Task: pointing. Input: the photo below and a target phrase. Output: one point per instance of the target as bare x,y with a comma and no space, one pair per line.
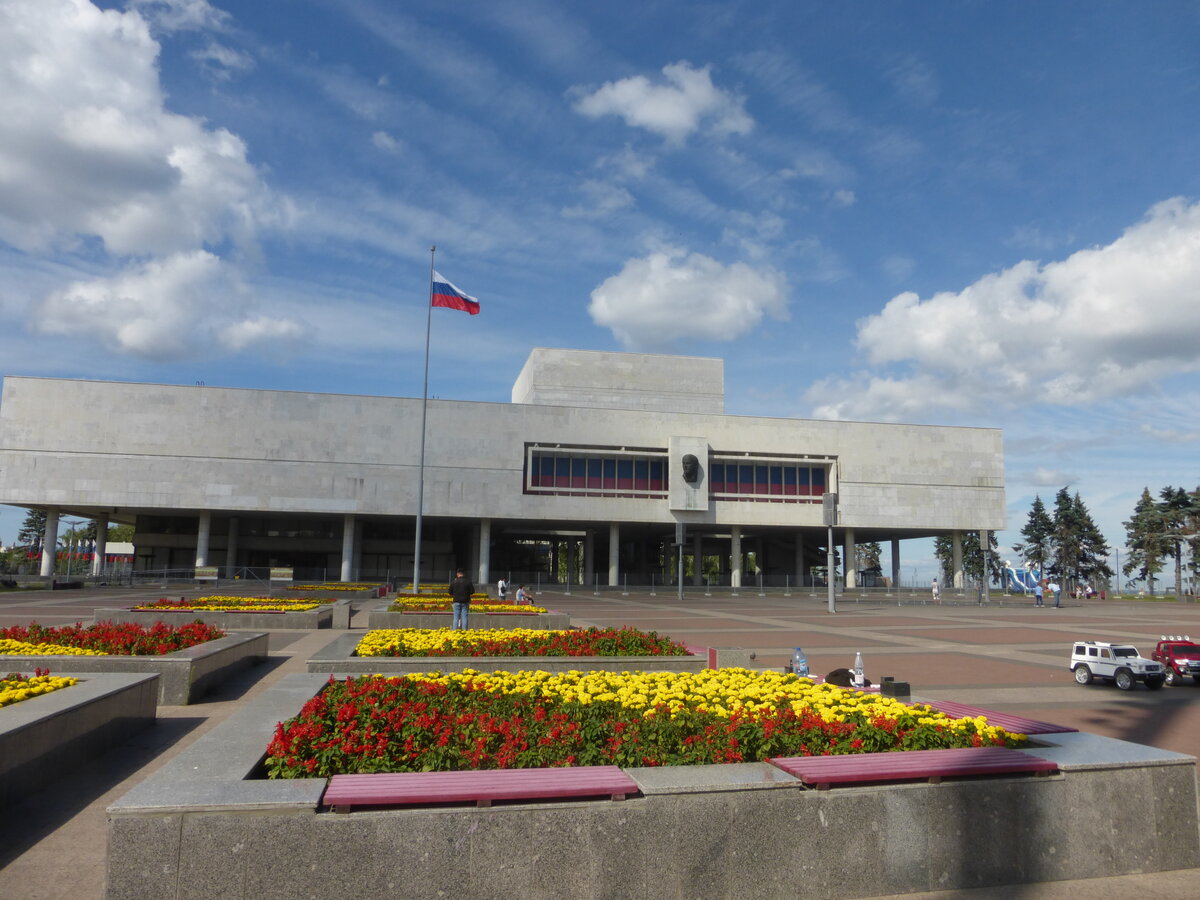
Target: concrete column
485,553
614,554
101,545
49,542
957,557
356,568
203,530
735,556
983,546
895,563
348,548
589,559
231,547
798,577
697,560
850,562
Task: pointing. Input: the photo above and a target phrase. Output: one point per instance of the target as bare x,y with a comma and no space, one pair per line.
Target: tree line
1065,544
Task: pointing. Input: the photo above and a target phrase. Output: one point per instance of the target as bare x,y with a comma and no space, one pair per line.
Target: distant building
584,476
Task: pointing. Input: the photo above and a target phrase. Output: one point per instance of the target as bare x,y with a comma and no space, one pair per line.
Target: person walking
460,597
501,589
936,591
1038,594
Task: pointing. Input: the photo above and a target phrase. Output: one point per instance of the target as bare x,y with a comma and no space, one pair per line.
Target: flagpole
424,406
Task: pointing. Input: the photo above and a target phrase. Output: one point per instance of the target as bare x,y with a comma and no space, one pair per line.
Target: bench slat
477,786
911,765
1007,721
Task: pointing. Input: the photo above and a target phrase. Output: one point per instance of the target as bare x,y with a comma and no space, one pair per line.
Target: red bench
823,772
480,787
1007,721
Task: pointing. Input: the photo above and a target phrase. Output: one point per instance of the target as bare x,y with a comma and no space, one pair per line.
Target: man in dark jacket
460,595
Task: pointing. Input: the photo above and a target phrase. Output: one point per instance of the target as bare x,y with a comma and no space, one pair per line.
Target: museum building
599,472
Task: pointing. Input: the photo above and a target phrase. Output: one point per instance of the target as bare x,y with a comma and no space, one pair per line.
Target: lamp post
829,511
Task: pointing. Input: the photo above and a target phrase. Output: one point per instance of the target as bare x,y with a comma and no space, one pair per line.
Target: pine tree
1093,548
1178,517
1064,539
1038,531
972,557
1144,538
33,529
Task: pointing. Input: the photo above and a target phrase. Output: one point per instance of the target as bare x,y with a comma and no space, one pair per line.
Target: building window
604,472
771,480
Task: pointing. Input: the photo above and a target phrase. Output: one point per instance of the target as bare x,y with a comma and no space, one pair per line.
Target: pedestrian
501,589
936,591
1055,589
1038,594
522,596
460,596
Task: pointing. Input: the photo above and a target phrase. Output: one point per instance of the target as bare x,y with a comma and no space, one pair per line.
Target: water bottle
858,669
799,662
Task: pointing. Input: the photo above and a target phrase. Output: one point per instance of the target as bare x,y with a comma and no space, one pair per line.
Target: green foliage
1038,531
1144,537
972,557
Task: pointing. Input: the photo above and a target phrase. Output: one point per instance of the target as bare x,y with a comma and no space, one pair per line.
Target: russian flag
447,295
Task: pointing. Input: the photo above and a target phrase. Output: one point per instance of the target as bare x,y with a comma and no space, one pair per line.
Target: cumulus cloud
687,101
90,156
181,15
1104,322
601,198
672,295
163,309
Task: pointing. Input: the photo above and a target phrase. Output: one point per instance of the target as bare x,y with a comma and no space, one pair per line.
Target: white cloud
1105,322
686,102
222,62
181,15
842,198
672,295
915,81
384,141
88,148
162,309
602,200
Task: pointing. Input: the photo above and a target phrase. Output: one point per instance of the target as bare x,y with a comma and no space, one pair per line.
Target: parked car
1180,657
1119,663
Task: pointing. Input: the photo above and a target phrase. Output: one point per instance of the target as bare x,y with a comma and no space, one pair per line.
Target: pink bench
823,772
1007,721
480,787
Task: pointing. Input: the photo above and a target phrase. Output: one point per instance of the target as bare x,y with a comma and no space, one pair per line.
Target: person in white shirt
501,589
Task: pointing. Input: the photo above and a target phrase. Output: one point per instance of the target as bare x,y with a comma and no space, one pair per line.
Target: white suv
1120,663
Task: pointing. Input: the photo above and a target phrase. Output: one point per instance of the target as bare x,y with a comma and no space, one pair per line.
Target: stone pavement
1006,657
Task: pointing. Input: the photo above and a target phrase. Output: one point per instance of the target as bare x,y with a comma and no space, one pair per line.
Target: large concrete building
586,477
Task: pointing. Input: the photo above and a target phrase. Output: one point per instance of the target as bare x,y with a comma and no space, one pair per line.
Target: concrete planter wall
338,657
321,617
381,618
42,737
199,828
184,674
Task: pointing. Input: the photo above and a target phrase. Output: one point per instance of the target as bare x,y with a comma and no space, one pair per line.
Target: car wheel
1124,679
1172,676
1155,682
1083,675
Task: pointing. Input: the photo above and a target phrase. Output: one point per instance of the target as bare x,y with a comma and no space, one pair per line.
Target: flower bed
235,604
189,659
241,619
517,642
480,603
103,639
530,719
15,687
335,586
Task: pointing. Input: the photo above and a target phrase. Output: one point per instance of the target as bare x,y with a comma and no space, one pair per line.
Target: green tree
1092,563
867,557
32,529
1038,533
1179,514
972,557
1144,538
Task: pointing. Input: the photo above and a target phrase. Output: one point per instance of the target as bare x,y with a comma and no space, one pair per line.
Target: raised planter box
321,617
705,831
44,736
184,675
338,657
381,618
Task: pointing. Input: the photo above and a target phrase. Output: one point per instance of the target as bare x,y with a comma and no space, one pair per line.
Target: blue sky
949,213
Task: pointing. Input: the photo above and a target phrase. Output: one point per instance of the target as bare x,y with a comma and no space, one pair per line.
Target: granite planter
381,618
204,825
44,736
183,674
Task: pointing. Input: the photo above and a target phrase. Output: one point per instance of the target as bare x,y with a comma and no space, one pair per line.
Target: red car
1180,657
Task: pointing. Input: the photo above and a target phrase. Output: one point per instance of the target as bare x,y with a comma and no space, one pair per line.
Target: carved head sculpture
691,468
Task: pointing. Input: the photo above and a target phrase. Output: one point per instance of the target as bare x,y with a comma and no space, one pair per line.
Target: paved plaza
1005,656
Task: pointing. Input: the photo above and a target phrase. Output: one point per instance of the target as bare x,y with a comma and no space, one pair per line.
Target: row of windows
638,476
739,480
575,474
